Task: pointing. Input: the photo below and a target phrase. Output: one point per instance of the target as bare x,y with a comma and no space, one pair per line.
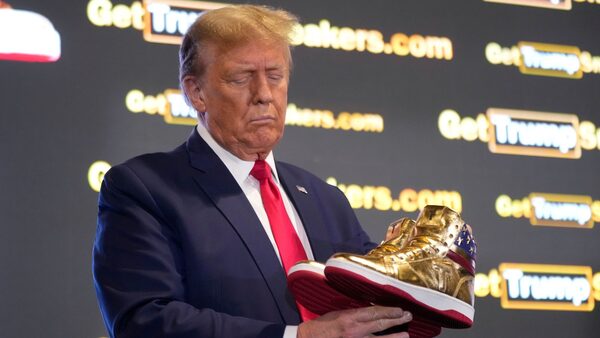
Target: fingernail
407,315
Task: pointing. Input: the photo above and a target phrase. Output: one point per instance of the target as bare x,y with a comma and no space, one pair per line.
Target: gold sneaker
308,284
306,279
431,276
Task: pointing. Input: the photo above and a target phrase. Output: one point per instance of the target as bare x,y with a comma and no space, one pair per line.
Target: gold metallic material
423,260
406,229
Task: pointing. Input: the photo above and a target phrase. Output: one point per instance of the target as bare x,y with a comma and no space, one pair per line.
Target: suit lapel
301,196
213,177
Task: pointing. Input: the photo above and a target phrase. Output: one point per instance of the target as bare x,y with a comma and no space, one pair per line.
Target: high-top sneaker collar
464,249
442,232
437,228
443,229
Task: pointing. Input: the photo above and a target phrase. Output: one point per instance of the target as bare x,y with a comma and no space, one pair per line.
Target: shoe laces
422,246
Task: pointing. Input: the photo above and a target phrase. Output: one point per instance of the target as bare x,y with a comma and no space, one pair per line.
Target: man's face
243,93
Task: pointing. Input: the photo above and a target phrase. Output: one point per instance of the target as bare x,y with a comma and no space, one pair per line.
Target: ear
193,90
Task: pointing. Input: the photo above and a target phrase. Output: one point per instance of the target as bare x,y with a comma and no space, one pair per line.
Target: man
187,245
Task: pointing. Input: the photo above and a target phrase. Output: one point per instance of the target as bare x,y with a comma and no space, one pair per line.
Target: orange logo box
571,211
177,111
546,59
546,287
166,21
531,133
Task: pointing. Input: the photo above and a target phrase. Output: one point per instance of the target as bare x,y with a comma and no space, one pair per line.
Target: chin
266,143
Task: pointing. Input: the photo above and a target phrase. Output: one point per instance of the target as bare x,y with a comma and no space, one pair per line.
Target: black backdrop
59,118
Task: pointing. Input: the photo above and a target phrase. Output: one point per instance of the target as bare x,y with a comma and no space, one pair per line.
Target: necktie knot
261,170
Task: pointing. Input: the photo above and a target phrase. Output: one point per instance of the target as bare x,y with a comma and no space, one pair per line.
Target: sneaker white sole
310,288
378,288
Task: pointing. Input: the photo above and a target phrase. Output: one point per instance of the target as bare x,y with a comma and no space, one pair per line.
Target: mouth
263,119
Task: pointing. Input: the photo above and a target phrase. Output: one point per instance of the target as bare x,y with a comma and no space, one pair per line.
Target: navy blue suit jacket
179,251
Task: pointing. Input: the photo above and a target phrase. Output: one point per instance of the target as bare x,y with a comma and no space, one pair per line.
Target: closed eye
275,76
240,80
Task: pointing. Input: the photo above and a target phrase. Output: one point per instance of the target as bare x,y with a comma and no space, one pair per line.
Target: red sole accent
421,328
460,260
312,290
363,288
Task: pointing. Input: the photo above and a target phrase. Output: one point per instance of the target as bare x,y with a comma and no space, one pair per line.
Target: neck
235,147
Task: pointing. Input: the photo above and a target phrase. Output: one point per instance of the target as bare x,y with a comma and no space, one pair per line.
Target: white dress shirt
240,170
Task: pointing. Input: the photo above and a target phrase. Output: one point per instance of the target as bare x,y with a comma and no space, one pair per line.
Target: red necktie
288,244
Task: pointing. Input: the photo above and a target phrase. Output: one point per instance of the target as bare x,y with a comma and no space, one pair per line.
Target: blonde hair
229,27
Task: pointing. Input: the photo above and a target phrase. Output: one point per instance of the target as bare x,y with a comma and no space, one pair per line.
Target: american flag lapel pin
301,189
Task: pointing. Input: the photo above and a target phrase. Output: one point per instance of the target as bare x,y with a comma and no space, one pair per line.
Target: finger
397,335
390,231
396,227
372,313
385,323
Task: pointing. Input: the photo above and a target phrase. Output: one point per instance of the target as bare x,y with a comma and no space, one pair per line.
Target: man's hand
395,230
355,323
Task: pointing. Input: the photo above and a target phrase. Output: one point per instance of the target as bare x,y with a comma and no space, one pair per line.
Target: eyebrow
248,69
250,66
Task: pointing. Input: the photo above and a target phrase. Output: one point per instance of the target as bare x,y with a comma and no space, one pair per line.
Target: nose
262,90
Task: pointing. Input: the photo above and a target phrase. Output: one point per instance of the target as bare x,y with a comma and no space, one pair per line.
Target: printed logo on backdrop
546,287
162,21
550,60
172,107
96,173
176,109
546,209
558,210
541,286
326,35
27,36
166,21
544,59
379,197
520,132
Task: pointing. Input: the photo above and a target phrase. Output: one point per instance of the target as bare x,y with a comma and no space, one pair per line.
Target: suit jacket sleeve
138,271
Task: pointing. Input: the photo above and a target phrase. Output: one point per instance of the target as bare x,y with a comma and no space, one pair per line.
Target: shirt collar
239,168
